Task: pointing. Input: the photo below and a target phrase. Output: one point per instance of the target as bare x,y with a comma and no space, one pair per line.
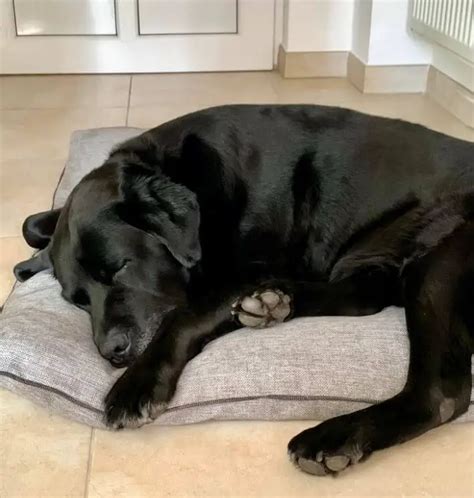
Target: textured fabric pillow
311,368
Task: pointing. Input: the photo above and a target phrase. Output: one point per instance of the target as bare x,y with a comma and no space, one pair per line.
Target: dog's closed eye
81,298
103,273
121,269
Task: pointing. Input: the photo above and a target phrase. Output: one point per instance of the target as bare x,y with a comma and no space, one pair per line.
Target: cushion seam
53,390
278,397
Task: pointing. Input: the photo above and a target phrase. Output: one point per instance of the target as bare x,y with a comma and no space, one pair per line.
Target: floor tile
26,187
45,133
248,459
170,96
64,91
211,88
156,99
323,91
12,251
416,108
41,455
153,115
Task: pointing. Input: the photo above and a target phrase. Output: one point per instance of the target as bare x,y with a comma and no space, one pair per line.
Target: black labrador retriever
253,214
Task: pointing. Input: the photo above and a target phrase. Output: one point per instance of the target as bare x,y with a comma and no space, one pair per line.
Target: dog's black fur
318,210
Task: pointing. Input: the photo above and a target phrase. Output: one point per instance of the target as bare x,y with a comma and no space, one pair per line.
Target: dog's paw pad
329,448
322,465
337,463
262,308
311,467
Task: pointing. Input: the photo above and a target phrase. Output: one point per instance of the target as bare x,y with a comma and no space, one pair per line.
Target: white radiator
446,22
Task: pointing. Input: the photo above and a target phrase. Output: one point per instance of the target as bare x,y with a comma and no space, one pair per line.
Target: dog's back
278,171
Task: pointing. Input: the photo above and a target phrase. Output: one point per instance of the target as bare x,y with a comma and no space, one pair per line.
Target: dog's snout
116,347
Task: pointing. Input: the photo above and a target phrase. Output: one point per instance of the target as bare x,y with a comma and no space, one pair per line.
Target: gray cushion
311,368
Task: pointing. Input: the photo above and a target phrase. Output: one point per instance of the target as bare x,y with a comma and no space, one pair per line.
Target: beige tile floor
43,455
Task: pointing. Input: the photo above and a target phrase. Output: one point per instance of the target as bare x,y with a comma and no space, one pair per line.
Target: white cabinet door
135,36
64,17
187,16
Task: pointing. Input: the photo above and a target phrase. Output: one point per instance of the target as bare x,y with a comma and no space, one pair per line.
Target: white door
133,36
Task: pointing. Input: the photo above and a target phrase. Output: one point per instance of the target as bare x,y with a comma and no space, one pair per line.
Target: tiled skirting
386,79
452,96
312,64
455,98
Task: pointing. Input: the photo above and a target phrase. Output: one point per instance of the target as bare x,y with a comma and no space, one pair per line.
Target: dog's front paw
137,398
330,447
263,308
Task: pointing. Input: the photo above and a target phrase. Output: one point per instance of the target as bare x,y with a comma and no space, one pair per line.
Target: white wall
391,43
317,25
279,28
361,29
374,30
380,36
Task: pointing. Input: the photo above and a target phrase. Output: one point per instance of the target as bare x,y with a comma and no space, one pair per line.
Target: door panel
250,48
187,16
64,17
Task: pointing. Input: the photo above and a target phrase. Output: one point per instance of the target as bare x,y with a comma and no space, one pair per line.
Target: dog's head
121,248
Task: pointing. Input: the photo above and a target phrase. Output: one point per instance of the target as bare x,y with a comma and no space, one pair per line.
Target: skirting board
387,79
312,64
455,98
368,79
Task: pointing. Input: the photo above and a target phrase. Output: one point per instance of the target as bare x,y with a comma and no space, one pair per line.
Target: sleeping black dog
251,215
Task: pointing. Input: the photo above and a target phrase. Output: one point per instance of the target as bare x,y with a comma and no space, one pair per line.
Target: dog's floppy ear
166,210
39,228
26,269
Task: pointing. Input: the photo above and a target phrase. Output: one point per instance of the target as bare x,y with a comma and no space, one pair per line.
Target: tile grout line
17,236
89,463
59,108
129,99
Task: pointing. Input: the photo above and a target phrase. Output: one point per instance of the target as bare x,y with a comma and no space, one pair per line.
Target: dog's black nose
116,347
122,347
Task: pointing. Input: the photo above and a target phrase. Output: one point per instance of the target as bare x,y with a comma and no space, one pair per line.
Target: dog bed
308,368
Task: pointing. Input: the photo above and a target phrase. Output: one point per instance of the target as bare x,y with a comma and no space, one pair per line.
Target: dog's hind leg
438,293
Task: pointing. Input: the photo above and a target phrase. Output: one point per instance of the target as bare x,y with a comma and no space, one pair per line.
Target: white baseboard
387,79
368,79
450,95
312,64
